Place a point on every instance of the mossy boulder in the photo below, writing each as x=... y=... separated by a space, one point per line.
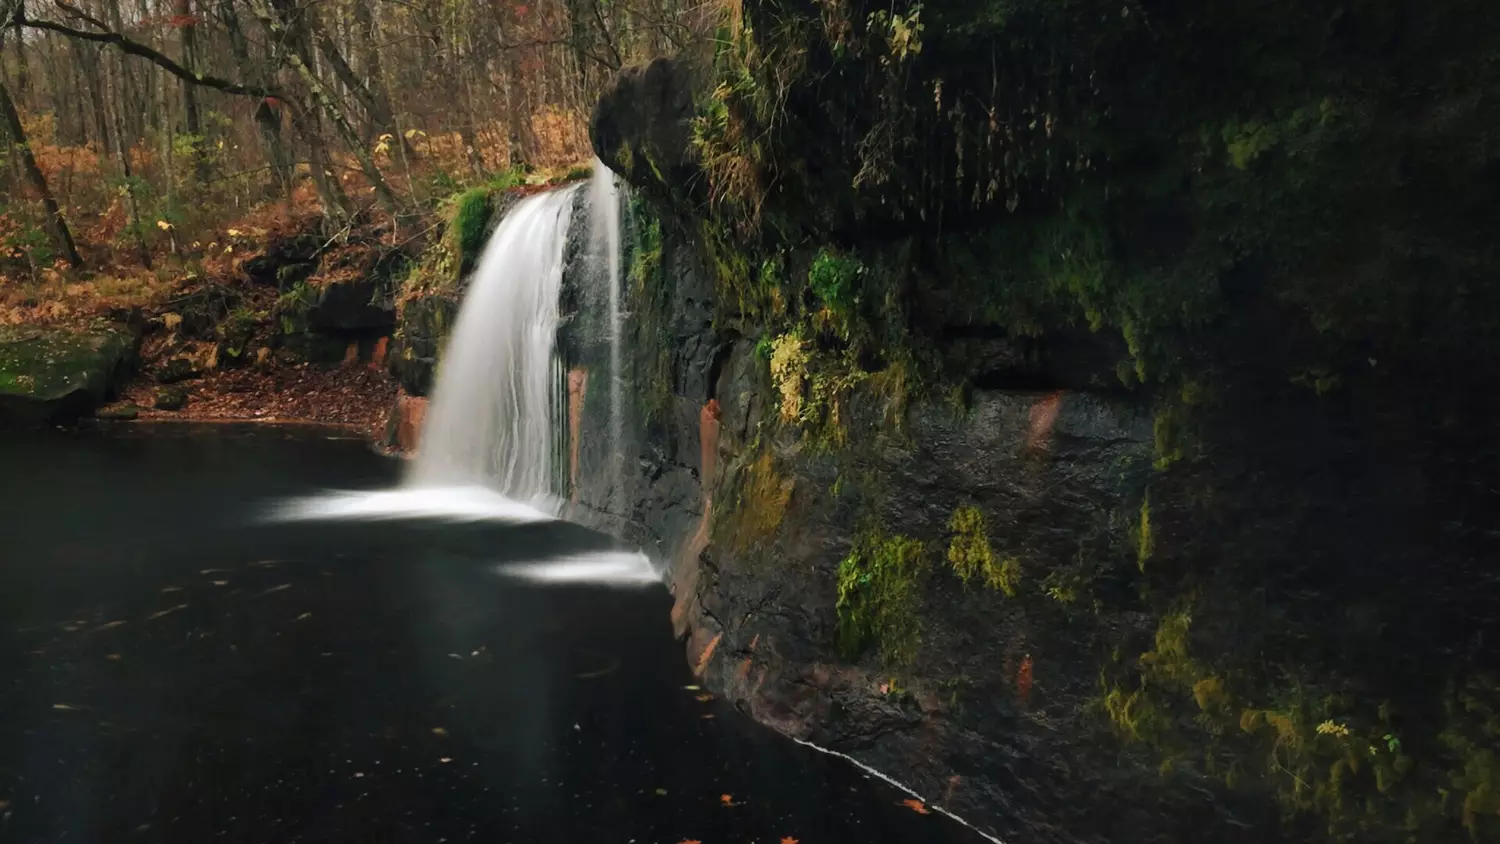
x=171 y=398
x=177 y=369
x=424 y=325
x=642 y=126
x=53 y=375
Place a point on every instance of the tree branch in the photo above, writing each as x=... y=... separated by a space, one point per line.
x=135 y=48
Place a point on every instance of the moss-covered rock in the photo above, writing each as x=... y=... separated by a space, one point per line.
x=171 y=398
x=52 y=375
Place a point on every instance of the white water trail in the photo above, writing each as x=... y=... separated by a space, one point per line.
x=490 y=422
x=489 y=442
x=604 y=234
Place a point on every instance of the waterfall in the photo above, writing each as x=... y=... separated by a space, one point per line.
x=491 y=418
x=491 y=443
x=604 y=234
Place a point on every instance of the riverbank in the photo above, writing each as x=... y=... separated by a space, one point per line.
x=354 y=396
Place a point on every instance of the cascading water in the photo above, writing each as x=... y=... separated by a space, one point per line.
x=604 y=234
x=490 y=440
x=491 y=418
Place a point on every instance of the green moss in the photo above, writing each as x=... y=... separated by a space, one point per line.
x=970 y=554
x=878 y=596
x=1146 y=539
x=834 y=277
x=49 y=363
x=761 y=498
x=469 y=225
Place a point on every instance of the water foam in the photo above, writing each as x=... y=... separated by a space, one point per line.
x=616 y=568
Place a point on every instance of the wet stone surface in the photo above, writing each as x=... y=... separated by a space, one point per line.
x=173 y=670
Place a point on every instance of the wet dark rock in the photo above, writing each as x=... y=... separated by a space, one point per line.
x=642 y=126
x=177 y=369
x=51 y=375
x=290 y=275
x=234 y=335
x=202 y=310
x=281 y=252
x=425 y=323
x=171 y=398
x=355 y=304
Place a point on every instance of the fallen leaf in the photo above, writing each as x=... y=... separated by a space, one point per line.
x=167 y=611
x=704 y=698
x=693 y=688
x=305 y=616
x=690 y=841
x=359 y=774
x=706 y=717
x=788 y=840
x=661 y=792
x=916 y=806
x=726 y=799
x=445 y=759
x=439 y=732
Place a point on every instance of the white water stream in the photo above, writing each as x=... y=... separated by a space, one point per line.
x=490 y=437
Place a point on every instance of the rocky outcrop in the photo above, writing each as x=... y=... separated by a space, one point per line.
x=642 y=126
x=55 y=375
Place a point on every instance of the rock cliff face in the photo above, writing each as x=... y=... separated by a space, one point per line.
x=1212 y=569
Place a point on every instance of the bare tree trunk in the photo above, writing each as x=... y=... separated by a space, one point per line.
x=369 y=58
x=192 y=120
x=299 y=60
x=330 y=193
x=116 y=104
x=23 y=71
x=56 y=226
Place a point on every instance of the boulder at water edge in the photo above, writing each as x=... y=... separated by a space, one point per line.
x=53 y=375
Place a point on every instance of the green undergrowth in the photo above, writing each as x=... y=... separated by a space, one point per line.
x=879 y=596
x=970 y=554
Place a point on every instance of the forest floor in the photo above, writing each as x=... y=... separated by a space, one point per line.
x=355 y=395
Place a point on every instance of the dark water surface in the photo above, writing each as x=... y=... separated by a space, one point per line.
x=172 y=670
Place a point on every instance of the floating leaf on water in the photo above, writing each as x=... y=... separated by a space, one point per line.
x=916 y=806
